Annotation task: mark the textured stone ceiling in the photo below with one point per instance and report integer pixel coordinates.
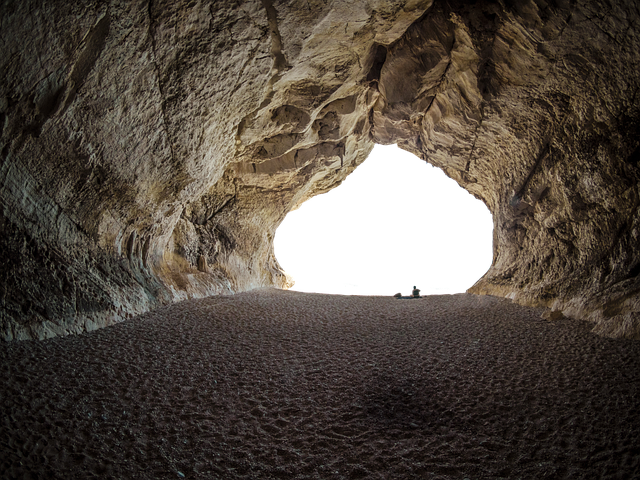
(149, 150)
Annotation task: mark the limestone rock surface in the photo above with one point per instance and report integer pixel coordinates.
(149, 150)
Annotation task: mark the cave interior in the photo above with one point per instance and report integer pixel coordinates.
(150, 150)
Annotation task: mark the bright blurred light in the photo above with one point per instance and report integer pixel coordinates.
(395, 222)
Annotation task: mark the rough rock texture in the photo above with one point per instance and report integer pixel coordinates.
(150, 149)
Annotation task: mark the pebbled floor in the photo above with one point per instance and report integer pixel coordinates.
(288, 385)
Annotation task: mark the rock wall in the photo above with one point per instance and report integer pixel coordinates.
(149, 150)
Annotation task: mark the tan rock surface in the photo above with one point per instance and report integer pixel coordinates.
(150, 150)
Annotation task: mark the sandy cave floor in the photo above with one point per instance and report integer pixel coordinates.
(287, 385)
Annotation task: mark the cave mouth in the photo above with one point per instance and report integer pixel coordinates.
(395, 222)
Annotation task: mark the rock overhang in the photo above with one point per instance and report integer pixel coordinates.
(150, 151)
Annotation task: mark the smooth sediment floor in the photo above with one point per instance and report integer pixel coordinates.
(288, 385)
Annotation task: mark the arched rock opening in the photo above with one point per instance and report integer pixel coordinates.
(150, 150)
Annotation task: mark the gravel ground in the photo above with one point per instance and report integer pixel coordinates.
(289, 385)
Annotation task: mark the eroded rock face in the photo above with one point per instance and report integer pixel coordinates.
(150, 150)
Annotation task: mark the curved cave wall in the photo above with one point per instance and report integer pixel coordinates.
(149, 150)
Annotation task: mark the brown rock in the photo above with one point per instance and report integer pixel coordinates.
(149, 151)
(202, 264)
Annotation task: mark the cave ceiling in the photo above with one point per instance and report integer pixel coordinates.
(149, 150)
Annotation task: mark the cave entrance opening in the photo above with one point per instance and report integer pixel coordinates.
(395, 222)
